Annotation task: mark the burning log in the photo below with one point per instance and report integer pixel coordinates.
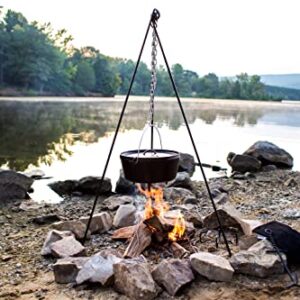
(178, 250)
(140, 241)
(124, 233)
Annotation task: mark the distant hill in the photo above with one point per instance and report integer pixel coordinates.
(291, 81)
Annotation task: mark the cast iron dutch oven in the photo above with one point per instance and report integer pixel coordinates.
(150, 166)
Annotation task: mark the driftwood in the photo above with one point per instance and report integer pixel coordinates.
(139, 241)
(124, 233)
(178, 250)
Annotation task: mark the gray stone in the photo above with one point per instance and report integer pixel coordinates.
(246, 241)
(46, 219)
(186, 163)
(52, 237)
(291, 213)
(243, 163)
(194, 217)
(77, 227)
(257, 261)
(125, 216)
(268, 168)
(66, 269)
(113, 202)
(124, 186)
(134, 279)
(211, 266)
(90, 185)
(270, 154)
(173, 274)
(101, 222)
(98, 269)
(67, 246)
(64, 188)
(13, 186)
(178, 195)
(182, 180)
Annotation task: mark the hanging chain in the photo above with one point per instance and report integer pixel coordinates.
(153, 77)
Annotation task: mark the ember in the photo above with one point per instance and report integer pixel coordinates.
(156, 206)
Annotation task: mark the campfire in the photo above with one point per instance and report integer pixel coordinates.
(158, 225)
(156, 208)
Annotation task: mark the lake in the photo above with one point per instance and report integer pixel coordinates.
(69, 138)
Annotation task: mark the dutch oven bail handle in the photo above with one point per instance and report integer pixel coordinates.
(141, 140)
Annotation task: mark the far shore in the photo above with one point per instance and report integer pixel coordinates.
(120, 98)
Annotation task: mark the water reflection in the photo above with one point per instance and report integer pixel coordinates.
(34, 133)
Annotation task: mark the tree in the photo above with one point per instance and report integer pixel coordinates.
(85, 78)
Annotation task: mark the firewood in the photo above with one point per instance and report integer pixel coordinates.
(178, 250)
(159, 224)
(140, 240)
(124, 233)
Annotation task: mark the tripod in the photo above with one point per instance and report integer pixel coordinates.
(153, 23)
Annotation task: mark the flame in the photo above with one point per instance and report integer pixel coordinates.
(178, 230)
(156, 206)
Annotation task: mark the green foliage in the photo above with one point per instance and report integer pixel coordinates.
(35, 58)
(85, 77)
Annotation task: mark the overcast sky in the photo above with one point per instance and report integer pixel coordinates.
(222, 36)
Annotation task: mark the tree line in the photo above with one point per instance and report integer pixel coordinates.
(37, 60)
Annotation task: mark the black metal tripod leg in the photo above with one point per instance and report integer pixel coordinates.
(116, 133)
(192, 140)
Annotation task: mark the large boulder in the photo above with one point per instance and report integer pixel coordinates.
(270, 154)
(13, 185)
(243, 163)
(186, 163)
(87, 185)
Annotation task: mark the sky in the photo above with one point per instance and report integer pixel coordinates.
(226, 37)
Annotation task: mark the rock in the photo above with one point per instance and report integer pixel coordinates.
(230, 217)
(100, 223)
(221, 199)
(113, 202)
(194, 217)
(246, 241)
(268, 168)
(64, 188)
(67, 246)
(125, 216)
(98, 269)
(173, 274)
(86, 185)
(66, 269)
(291, 182)
(29, 205)
(52, 237)
(270, 154)
(21, 180)
(243, 163)
(124, 186)
(134, 279)
(90, 185)
(13, 186)
(291, 214)
(211, 266)
(46, 219)
(186, 163)
(178, 195)
(77, 227)
(257, 261)
(182, 180)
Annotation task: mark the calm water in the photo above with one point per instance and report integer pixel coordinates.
(70, 138)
